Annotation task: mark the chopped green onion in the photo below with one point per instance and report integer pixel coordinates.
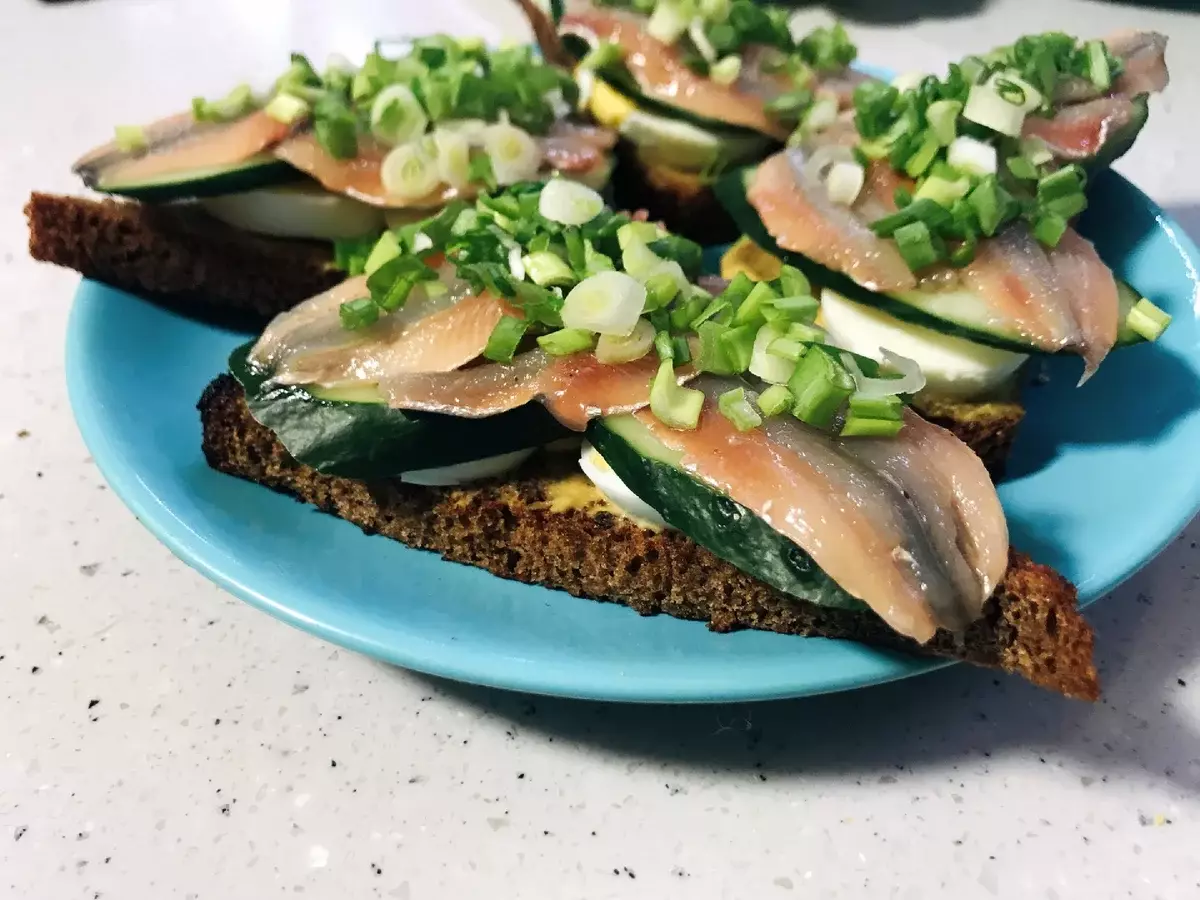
(336, 128)
(933, 214)
(818, 117)
(683, 313)
(923, 157)
(505, 338)
(1067, 206)
(607, 303)
(1098, 69)
(602, 56)
(749, 310)
(233, 105)
(1022, 168)
(771, 367)
(1036, 151)
(712, 356)
(990, 202)
(902, 197)
(681, 349)
(385, 250)
(810, 334)
(669, 21)
(819, 386)
(877, 407)
(775, 400)
(738, 347)
(131, 138)
(515, 155)
(661, 289)
(844, 182)
(636, 232)
(963, 254)
(916, 245)
(986, 107)
(358, 313)
(594, 261)
(1067, 180)
(943, 191)
(569, 202)
(737, 409)
(862, 426)
(394, 280)
(614, 349)
(942, 116)
(715, 307)
(1049, 229)
(1147, 320)
(726, 71)
(971, 156)
(664, 346)
(286, 109)
(675, 406)
(791, 282)
(548, 269)
(789, 106)
(786, 348)
(797, 309)
(481, 171)
(566, 341)
(409, 173)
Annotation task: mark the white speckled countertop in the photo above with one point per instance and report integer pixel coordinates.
(159, 739)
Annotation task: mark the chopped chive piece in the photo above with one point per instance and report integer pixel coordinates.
(943, 191)
(664, 346)
(942, 116)
(712, 356)
(737, 409)
(505, 338)
(809, 334)
(661, 289)
(916, 245)
(1049, 229)
(714, 308)
(750, 309)
(481, 171)
(933, 214)
(683, 313)
(860, 426)
(392, 282)
(787, 348)
(1098, 69)
(548, 270)
(130, 138)
(1067, 180)
(566, 341)
(791, 282)
(1147, 320)
(775, 400)
(385, 250)
(876, 407)
(358, 313)
(902, 197)
(820, 387)
(963, 254)
(923, 157)
(988, 201)
(604, 55)
(1068, 206)
(636, 232)
(738, 346)
(675, 406)
(681, 350)
(797, 309)
(1022, 168)
(286, 109)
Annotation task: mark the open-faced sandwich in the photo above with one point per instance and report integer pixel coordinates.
(694, 87)
(254, 201)
(938, 216)
(737, 467)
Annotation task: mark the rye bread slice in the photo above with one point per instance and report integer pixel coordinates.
(178, 255)
(520, 528)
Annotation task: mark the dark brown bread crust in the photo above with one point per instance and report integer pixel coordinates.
(177, 255)
(988, 427)
(516, 529)
(682, 202)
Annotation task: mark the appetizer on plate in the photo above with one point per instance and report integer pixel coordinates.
(938, 216)
(241, 201)
(736, 467)
(694, 87)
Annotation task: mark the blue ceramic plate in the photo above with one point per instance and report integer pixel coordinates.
(1101, 479)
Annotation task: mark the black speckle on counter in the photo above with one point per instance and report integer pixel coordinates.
(520, 776)
(224, 810)
(376, 869)
(92, 704)
(23, 433)
(216, 721)
(1180, 681)
(19, 832)
(35, 670)
(89, 569)
(333, 764)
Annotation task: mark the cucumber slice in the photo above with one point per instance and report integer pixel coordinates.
(261, 170)
(715, 522)
(957, 312)
(352, 433)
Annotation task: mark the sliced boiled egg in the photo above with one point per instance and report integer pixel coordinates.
(461, 473)
(301, 210)
(600, 473)
(953, 366)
